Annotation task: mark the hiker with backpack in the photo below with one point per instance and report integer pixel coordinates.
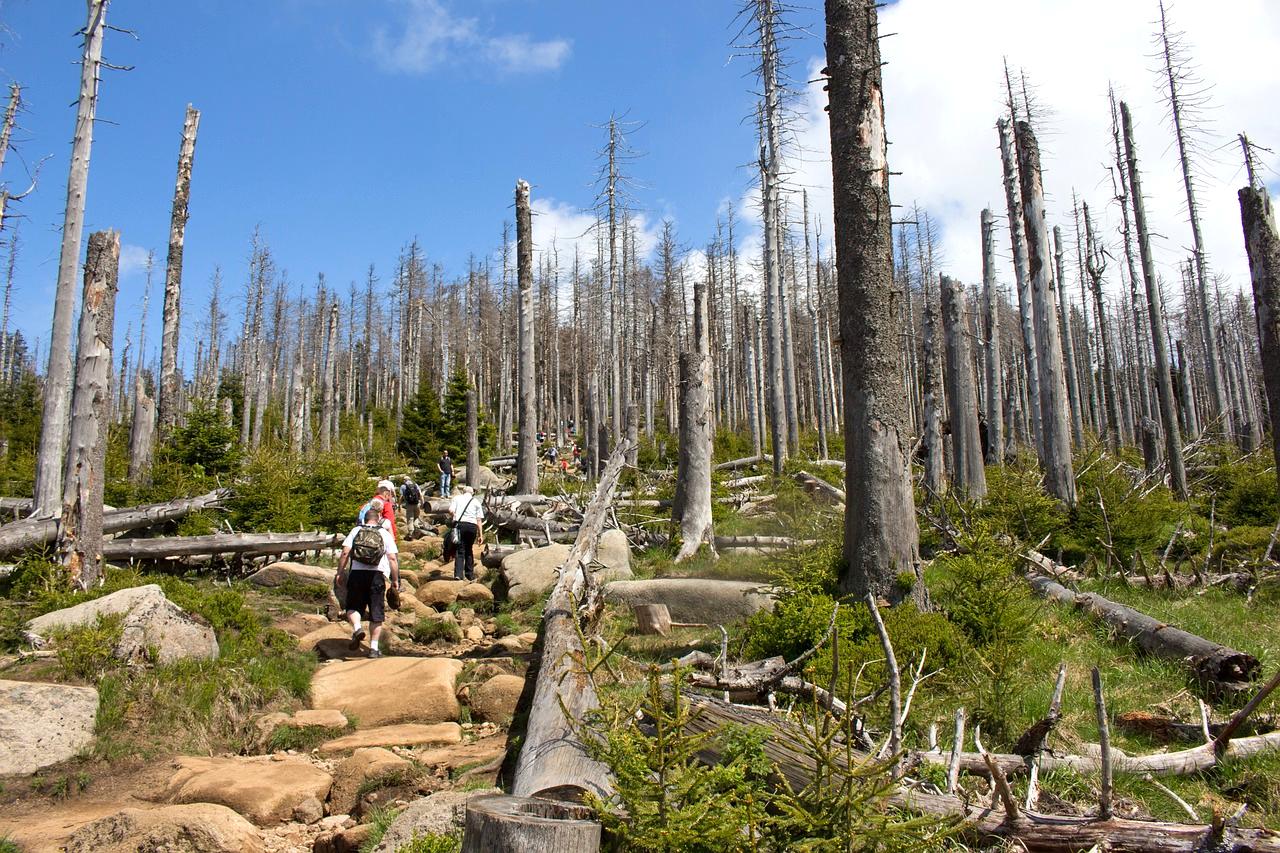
(411, 497)
(367, 563)
(384, 498)
(467, 512)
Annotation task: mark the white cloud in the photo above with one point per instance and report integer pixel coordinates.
(567, 227)
(431, 35)
(942, 101)
(133, 260)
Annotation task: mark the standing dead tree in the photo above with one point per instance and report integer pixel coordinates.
(80, 534)
(991, 315)
(1055, 456)
(881, 540)
(1155, 311)
(1263, 245)
(167, 400)
(527, 449)
(1022, 276)
(968, 473)
(57, 397)
(697, 432)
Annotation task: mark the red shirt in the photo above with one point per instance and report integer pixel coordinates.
(388, 512)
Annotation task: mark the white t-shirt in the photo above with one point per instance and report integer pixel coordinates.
(388, 547)
(467, 508)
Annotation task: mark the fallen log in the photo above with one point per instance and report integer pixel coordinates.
(515, 521)
(16, 506)
(744, 462)
(743, 482)
(1034, 831)
(552, 762)
(34, 532)
(763, 542)
(830, 463)
(1212, 664)
(817, 485)
(170, 547)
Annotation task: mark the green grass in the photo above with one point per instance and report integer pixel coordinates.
(301, 738)
(427, 631)
(380, 818)
(432, 844)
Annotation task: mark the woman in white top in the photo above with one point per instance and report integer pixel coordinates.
(467, 511)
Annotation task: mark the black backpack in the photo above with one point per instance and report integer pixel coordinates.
(367, 546)
(412, 494)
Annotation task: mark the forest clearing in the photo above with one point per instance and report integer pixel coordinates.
(872, 524)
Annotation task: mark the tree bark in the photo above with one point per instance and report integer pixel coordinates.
(527, 450)
(167, 398)
(1075, 397)
(1055, 456)
(1155, 311)
(969, 475)
(881, 540)
(80, 534)
(57, 381)
(141, 433)
(991, 310)
(935, 469)
(697, 433)
(473, 436)
(1022, 276)
(1262, 242)
(171, 547)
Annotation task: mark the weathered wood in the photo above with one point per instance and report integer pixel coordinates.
(503, 824)
(167, 399)
(819, 486)
(527, 415)
(652, 619)
(165, 547)
(1262, 242)
(551, 758)
(778, 542)
(1211, 663)
(969, 474)
(991, 352)
(84, 480)
(697, 432)
(744, 462)
(744, 482)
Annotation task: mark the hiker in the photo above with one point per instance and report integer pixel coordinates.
(445, 467)
(553, 454)
(411, 497)
(367, 562)
(386, 495)
(467, 512)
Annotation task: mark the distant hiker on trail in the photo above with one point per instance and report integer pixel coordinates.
(411, 498)
(553, 455)
(367, 561)
(387, 494)
(445, 467)
(467, 512)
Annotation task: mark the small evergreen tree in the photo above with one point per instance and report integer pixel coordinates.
(206, 443)
(453, 427)
(420, 430)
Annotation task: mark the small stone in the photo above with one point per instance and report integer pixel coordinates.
(308, 811)
(475, 633)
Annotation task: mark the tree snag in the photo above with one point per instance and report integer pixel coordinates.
(1263, 245)
(527, 449)
(167, 399)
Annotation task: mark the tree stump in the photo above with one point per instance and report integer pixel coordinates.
(652, 619)
(501, 823)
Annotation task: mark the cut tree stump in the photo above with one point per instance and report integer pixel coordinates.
(501, 824)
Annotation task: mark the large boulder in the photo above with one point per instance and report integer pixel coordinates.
(266, 790)
(485, 478)
(403, 734)
(389, 690)
(711, 602)
(475, 593)
(364, 765)
(284, 571)
(531, 572)
(150, 621)
(440, 593)
(195, 828)
(439, 814)
(495, 700)
(43, 724)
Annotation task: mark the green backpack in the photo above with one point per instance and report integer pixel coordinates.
(367, 547)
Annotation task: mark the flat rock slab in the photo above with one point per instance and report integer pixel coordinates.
(439, 814)
(284, 571)
(405, 734)
(265, 790)
(43, 724)
(531, 572)
(389, 690)
(711, 602)
(195, 828)
(477, 753)
(118, 603)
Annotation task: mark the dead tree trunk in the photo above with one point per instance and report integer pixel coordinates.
(527, 450)
(473, 436)
(141, 433)
(57, 380)
(1055, 456)
(968, 474)
(1155, 311)
(935, 471)
(1075, 397)
(1022, 277)
(1263, 245)
(697, 432)
(1095, 266)
(80, 534)
(881, 540)
(167, 398)
(991, 311)
(328, 380)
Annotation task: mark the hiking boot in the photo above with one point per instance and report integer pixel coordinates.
(356, 637)
(374, 653)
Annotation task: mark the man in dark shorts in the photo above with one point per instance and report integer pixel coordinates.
(368, 560)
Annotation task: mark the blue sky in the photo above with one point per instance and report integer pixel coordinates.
(346, 128)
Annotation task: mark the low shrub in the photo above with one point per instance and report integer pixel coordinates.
(87, 653)
(432, 843)
(427, 631)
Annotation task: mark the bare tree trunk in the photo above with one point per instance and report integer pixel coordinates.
(633, 434)
(1262, 242)
(697, 433)
(1155, 309)
(527, 450)
(935, 469)
(968, 474)
(167, 396)
(1022, 276)
(991, 310)
(80, 533)
(1095, 264)
(1056, 455)
(881, 540)
(327, 379)
(473, 435)
(57, 380)
(298, 410)
(1068, 344)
